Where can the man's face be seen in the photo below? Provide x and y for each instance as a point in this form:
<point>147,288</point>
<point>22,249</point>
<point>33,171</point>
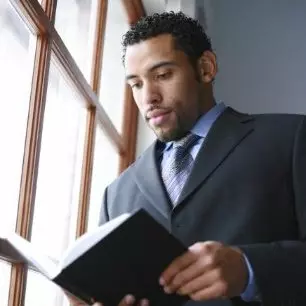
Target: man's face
<point>165,86</point>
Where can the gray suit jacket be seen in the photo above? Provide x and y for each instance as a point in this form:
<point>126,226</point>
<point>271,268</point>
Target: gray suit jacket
<point>247,188</point>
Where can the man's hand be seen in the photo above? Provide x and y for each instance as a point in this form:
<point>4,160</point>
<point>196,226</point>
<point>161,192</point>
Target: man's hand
<point>128,300</point>
<point>208,270</point>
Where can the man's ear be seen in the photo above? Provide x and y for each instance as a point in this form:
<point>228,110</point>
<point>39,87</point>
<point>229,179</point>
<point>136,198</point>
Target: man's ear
<point>207,66</point>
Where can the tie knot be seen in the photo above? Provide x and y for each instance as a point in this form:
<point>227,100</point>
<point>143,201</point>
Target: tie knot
<point>186,142</point>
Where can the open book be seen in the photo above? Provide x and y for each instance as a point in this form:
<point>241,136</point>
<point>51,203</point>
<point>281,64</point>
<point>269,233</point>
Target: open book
<point>124,256</point>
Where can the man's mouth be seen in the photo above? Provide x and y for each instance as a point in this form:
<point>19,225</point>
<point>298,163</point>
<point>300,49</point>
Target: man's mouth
<point>158,117</point>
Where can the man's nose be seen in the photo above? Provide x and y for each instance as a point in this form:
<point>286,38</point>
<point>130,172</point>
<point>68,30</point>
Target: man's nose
<point>151,95</point>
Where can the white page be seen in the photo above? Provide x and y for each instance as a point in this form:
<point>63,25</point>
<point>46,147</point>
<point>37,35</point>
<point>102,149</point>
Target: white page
<point>89,239</point>
<point>33,256</point>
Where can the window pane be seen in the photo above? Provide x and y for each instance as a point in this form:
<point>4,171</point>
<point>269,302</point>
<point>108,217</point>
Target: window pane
<point>17,51</point>
<point>105,170</point>
<point>41,291</point>
<point>113,76</point>
<point>75,22</point>
<point>60,165</point>
<point>5,272</point>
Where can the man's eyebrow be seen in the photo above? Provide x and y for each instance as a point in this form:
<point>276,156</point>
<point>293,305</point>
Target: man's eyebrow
<point>154,67</point>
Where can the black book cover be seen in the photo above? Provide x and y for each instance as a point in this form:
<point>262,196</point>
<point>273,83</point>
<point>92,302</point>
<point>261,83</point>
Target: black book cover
<point>129,260</point>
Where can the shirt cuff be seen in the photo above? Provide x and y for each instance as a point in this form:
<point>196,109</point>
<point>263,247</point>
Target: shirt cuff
<point>250,293</point>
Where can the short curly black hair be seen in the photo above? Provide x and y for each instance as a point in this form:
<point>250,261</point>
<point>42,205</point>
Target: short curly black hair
<point>188,33</point>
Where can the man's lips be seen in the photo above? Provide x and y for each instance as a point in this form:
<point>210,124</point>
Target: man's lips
<point>156,113</point>
<point>158,117</point>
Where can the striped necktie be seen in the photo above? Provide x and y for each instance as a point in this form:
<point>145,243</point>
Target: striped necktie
<point>178,166</point>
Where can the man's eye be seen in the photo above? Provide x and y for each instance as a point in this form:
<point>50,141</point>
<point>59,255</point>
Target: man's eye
<point>136,85</point>
<point>163,76</point>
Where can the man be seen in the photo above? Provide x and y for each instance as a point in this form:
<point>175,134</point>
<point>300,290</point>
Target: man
<point>231,186</point>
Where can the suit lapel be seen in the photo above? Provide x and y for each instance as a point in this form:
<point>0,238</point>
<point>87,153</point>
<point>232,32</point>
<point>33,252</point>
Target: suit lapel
<point>149,181</point>
<point>226,133</point>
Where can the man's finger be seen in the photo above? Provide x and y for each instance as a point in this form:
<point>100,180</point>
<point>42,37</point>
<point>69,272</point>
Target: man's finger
<point>215,291</point>
<point>127,300</point>
<point>144,302</point>
<point>183,280</point>
<point>177,265</point>
<point>199,283</point>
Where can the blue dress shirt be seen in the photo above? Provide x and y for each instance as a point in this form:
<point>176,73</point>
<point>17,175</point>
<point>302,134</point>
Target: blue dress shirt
<point>201,128</point>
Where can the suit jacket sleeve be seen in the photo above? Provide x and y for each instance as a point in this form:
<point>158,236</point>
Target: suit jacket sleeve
<point>280,267</point>
<point>104,217</point>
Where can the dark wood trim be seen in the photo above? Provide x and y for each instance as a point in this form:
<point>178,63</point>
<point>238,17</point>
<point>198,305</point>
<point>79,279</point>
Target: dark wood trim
<point>131,12</point>
<point>50,9</point>
<point>129,134</point>
<point>99,43</point>
<point>86,173</point>
<point>17,285</point>
<point>91,121</point>
<point>134,8</point>
<point>134,11</point>
<point>34,16</point>
<point>139,9</point>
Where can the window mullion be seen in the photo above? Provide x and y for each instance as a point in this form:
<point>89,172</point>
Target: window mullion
<point>134,11</point>
<point>91,120</point>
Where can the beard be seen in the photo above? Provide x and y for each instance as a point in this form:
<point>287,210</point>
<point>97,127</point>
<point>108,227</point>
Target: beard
<point>169,135</point>
<point>183,121</point>
<point>174,133</point>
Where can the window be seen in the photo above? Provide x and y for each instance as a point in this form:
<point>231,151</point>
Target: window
<point>61,152</point>
<point>77,30</point>
<point>17,51</point>
<point>49,293</point>
<point>66,128</point>
<point>102,153</point>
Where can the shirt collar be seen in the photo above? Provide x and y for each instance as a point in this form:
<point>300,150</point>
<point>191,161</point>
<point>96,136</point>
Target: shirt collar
<point>204,123</point>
